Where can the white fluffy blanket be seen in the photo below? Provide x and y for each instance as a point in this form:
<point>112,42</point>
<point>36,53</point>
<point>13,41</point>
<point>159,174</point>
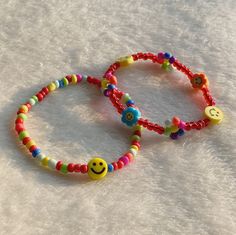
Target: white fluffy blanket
<point>173,187</point>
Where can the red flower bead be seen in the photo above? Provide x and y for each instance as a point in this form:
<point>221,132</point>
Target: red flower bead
<point>199,80</point>
<point>19,120</point>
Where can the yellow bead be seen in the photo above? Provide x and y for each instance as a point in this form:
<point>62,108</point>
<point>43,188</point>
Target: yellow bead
<point>74,79</point>
<point>125,61</point>
<point>104,83</point>
<point>52,87</point>
<point>137,128</point>
<point>174,129</point>
<point>134,147</point>
<point>25,108</point>
<point>45,161</point>
<point>97,168</point>
<point>214,114</point>
<point>29,144</point>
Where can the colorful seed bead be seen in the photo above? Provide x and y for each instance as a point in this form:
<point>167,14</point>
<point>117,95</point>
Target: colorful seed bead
<point>167,61</point>
<point>45,161</point>
<point>94,171</point>
<point>125,61</point>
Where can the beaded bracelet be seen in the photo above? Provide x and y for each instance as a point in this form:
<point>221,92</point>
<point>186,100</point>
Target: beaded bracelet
<point>96,168</point>
<point>132,116</point>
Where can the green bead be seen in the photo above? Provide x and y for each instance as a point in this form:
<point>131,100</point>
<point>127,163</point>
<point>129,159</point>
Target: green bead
<point>135,138</point>
<point>65,82</point>
<point>166,66</point>
<point>35,98</point>
<point>126,97</point>
<point>23,134</point>
<point>22,116</point>
<point>64,168</point>
<point>167,131</point>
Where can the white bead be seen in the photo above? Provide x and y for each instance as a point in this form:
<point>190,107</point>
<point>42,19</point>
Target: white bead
<point>52,163</point>
<point>32,101</point>
<point>40,157</point>
<point>57,83</point>
<point>133,151</point>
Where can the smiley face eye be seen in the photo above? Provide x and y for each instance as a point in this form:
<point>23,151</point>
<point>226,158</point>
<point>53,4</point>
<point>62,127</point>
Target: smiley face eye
<point>94,164</point>
<point>100,163</point>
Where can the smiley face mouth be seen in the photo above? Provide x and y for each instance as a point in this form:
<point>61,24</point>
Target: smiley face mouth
<point>98,172</point>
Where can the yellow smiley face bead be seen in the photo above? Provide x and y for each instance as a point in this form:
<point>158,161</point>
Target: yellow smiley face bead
<point>214,114</point>
<point>125,61</point>
<point>97,168</point>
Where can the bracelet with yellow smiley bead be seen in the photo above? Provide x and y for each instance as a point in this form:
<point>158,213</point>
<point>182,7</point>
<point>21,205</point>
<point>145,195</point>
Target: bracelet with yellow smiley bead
<point>131,115</point>
<point>96,168</point>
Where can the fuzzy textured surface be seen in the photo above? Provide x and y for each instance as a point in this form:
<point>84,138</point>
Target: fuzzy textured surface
<point>173,187</point>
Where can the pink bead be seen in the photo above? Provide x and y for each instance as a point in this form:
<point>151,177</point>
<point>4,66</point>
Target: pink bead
<point>79,78</point>
<point>176,121</point>
<point>124,159</point>
<point>182,125</point>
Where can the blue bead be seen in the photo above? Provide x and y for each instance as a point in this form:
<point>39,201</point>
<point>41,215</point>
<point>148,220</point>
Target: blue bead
<point>61,84</point>
<point>167,55</point>
<point>110,168</point>
<point>129,102</point>
<point>36,152</point>
<point>111,87</point>
<point>180,132</point>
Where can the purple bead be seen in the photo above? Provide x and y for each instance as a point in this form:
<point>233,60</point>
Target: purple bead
<point>172,59</point>
<point>174,136</point>
<point>124,159</point>
<point>106,92</point>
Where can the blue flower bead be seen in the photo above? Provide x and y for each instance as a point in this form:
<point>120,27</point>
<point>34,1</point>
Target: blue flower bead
<point>130,116</point>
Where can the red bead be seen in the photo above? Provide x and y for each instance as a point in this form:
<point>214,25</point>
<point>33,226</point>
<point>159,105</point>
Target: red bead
<point>70,167</point>
<point>19,120</point>
<point>19,127</point>
<point>32,148</point>
<point>69,78</point>
<point>59,164</point>
<point>26,140</point>
<point>84,168</point>
<point>137,133</point>
<point>40,97</point>
<point>45,90</point>
<point>29,106</point>
<point>77,168</point>
<point>120,164</point>
<point>115,166</point>
<point>136,143</point>
<point>130,156</point>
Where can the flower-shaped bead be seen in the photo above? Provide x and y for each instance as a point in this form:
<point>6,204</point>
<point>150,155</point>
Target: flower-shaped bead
<point>130,116</point>
<point>199,80</point>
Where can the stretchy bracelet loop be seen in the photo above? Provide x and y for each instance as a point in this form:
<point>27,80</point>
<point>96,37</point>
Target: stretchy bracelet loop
<point>130,114</point>
<point>96,168</point>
